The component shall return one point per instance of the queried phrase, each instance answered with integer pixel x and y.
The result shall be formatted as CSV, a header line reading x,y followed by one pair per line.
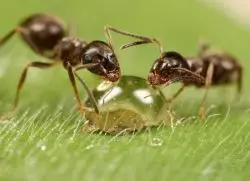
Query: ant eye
x,y
87,58
175,63
111,56
109,62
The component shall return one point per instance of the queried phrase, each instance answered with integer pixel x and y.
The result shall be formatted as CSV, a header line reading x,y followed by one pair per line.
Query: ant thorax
x,y
195,65
68,50
226,68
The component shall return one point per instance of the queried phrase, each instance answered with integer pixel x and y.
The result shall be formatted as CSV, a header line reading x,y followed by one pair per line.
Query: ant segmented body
x,y
214,67
47,36
208,68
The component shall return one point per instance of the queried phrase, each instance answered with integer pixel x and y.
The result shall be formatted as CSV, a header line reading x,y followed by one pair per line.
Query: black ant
x,y
210,67
47,36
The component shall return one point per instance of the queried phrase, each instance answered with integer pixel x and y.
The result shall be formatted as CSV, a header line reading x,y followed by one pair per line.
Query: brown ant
x,y
210,67
47,36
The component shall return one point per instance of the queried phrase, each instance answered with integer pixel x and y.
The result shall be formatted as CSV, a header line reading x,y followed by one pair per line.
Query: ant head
x,y
107,63
165,68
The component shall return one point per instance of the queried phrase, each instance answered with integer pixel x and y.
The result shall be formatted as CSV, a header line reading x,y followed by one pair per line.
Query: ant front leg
x,y
208,82
172,98
91,96
72,74
189,77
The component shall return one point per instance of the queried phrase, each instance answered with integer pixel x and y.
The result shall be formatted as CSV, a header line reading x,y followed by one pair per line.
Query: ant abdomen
x,y
43,31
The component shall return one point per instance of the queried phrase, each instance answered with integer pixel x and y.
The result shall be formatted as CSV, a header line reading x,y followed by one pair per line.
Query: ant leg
x,y
239,81
108,36
71,74
170,100
22,79
239,84
144,39
73,83
208,82
7,37
91,96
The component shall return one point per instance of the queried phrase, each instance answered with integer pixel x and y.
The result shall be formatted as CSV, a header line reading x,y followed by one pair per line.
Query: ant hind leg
x,y
208,82
21,82
7,37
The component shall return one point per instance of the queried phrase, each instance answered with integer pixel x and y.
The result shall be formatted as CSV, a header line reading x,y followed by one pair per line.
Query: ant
x,y
208,68
47,36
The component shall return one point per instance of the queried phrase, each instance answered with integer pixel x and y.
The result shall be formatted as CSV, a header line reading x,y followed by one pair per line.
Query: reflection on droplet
x,y
143,95
156,142
43,147
110,95
104,86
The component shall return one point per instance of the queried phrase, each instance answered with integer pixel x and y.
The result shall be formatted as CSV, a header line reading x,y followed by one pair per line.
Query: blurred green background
x,y
217,150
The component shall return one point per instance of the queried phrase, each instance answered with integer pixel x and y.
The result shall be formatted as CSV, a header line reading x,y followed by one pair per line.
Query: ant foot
x,y
170,100
7,116
81,110
201,114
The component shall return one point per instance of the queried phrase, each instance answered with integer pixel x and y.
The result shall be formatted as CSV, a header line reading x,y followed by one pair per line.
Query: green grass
x,y
44,142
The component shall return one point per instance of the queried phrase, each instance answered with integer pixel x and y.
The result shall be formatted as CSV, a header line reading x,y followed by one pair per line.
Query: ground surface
x,y
43,141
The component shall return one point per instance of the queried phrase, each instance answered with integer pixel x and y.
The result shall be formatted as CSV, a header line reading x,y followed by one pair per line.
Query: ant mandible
x,y
210,67
47,36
